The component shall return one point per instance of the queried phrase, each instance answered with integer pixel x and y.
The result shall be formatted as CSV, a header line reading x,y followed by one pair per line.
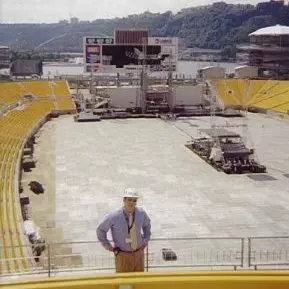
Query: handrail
x,y
197,280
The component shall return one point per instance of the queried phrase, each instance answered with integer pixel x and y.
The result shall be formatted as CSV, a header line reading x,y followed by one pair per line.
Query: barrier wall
x,y
124,97
188,95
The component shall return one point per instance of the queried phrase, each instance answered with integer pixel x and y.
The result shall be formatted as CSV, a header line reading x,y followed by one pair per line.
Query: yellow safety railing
x,y
203,280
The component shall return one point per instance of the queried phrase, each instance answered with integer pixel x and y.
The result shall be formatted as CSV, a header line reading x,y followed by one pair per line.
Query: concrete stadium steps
x,y
265,94
15,126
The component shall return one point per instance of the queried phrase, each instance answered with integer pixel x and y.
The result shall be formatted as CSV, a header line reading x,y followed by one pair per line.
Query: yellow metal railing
x,y
203,280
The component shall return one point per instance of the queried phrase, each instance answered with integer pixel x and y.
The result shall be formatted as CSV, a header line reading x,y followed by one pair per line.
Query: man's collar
x,y
127,213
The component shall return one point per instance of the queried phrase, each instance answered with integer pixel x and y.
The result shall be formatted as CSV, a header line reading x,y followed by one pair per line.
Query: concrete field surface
x,y
184,196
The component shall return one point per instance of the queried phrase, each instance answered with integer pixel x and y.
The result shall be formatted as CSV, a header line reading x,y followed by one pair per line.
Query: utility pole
x,y
144,78
171,96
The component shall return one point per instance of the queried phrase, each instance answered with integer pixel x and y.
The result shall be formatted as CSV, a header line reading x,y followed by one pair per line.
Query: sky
x,y
17,11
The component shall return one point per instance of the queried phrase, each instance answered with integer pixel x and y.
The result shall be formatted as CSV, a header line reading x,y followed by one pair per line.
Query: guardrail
x,y
264,252
192,254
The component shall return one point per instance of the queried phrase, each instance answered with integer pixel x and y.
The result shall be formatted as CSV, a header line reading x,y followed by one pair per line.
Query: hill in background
x,y
217,26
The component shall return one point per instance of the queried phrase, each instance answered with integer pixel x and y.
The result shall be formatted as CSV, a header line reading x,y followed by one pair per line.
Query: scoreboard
x,y
101,53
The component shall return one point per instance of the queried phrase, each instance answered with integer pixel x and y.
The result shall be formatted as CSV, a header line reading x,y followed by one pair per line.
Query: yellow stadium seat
x,y
57,91
14,127
265,94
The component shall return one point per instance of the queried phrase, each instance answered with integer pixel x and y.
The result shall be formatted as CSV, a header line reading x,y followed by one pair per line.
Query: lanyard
x,y
127,221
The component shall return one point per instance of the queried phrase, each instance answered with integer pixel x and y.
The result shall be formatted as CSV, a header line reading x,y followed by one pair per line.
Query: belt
x,y
130,251
117,250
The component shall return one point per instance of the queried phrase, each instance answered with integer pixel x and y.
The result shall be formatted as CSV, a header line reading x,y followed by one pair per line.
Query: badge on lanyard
x,y
129,227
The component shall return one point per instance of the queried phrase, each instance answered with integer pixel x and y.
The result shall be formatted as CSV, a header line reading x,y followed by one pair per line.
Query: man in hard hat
x,y
131,230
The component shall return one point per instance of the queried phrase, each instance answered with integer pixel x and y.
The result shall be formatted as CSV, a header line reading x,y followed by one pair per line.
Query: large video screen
x,y
121,55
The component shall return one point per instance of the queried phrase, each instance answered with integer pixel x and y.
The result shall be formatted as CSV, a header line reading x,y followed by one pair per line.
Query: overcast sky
x,y
55,10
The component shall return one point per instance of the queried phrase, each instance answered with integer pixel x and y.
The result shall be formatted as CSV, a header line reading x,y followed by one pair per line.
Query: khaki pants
x,y
129,262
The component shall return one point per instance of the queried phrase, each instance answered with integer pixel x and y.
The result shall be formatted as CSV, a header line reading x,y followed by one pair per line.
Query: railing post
x,y
249,252
242,253
49,260
147,258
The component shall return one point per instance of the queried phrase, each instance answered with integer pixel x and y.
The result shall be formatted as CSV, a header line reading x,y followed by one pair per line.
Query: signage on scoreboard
x,y
169,46
160,54
92,54
99,40
170,41
93,68
121,55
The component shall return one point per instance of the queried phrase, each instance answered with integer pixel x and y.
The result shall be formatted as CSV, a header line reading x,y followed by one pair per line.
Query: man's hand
x,y
110,248
143,246
113,250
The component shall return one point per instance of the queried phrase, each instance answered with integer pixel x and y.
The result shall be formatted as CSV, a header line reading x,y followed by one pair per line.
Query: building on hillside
x,y
4,57
201,54
269,51
270,5
74,20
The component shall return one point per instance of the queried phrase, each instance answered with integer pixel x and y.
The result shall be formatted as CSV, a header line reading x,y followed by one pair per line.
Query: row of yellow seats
x,y
273,95
267,94
13,91
237,91
40,88
14,127
9,93
12,258
65,104
229,92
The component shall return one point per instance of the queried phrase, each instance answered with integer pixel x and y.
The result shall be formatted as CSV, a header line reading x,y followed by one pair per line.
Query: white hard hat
x,y
130,193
